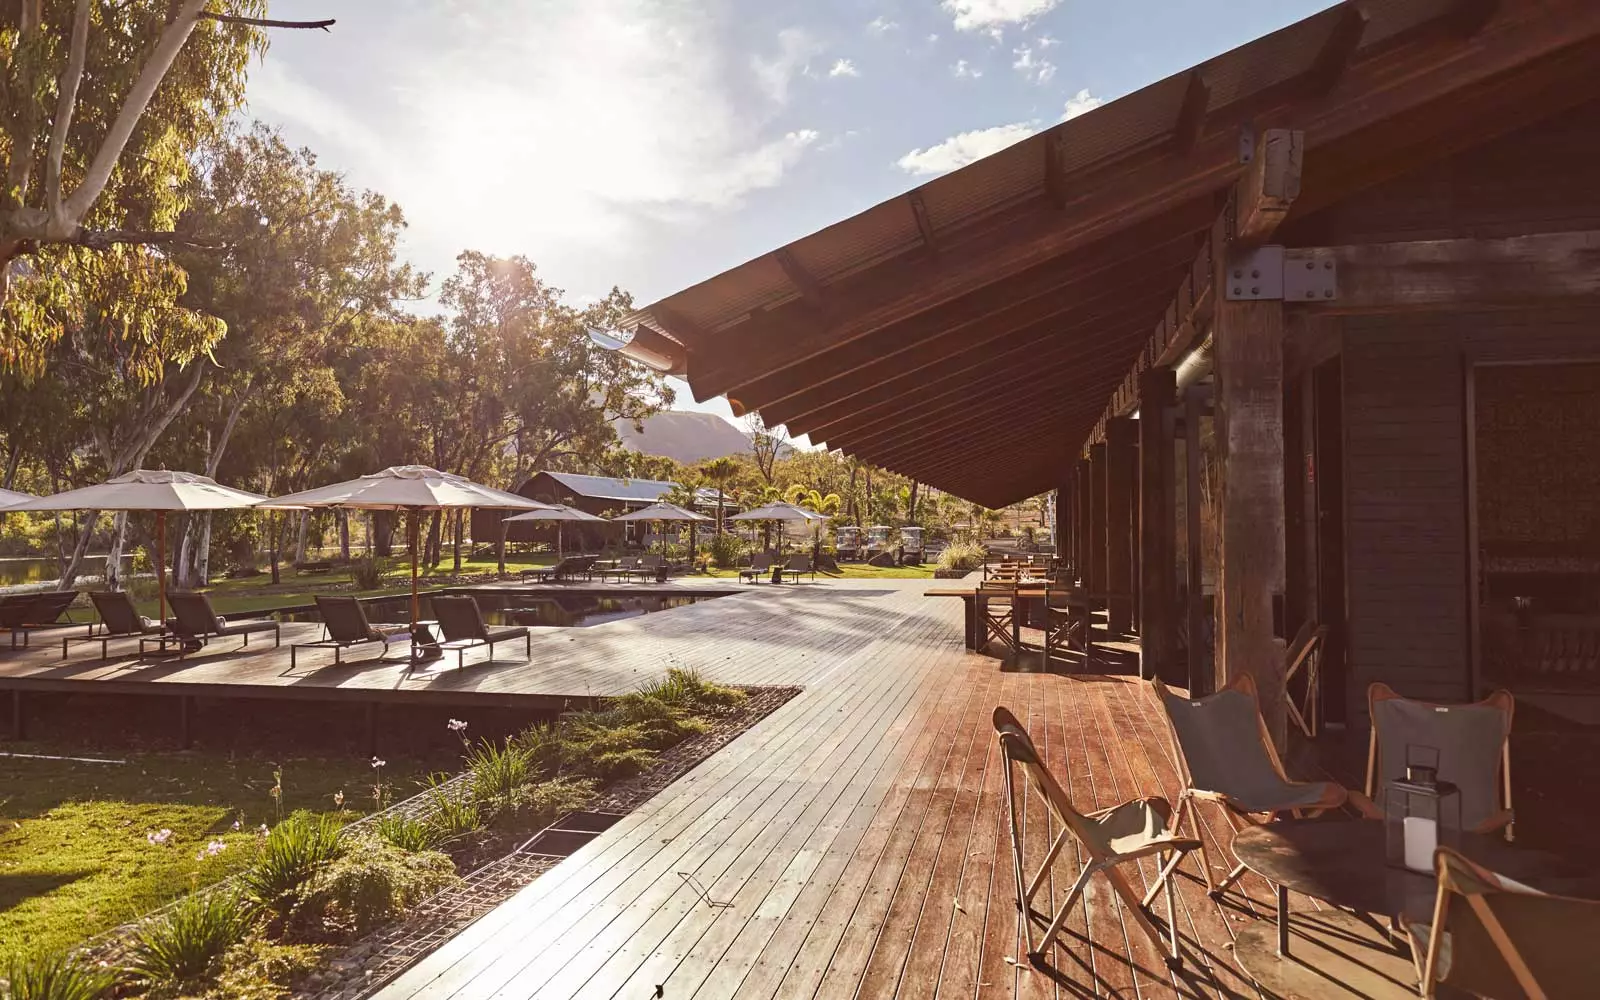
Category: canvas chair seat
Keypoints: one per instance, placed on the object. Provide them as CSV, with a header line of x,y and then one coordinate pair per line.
x,y
463,626
119,619
1493,937
344,622
195,623
1109,837
1473,741
1227,757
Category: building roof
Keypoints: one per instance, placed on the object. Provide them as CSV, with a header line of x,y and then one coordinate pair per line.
x,y
640,491
969,332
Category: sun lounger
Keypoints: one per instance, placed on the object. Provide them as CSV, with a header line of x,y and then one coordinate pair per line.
x,y
760,566
194,624
624,566
464,628
119,619
799,564
650,567
23,614
345,624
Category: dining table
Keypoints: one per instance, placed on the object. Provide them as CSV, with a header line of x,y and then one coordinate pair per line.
x,y
1356,949
1038,589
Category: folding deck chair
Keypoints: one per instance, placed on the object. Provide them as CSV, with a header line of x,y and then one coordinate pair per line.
x,y
464,628
1492,937
1305,657
119,619
1474,745
344,624
194,624
1226,756
1111,837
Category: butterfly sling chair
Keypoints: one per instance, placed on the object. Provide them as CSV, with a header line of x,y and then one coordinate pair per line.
x,y
1225,755
1110,838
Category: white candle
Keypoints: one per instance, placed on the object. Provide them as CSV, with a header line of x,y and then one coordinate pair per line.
x,y
1421,837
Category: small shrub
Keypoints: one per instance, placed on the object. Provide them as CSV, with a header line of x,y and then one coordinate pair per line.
x,y
185,944
257,969
452,813
966,556
602,745
498,770
726,550
542,803
370,885
406,833
55,977
542,743
366,573
295,850
700,693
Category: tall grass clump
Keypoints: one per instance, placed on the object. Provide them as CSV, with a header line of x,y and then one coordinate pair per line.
x,y
451,813
406,833
498,771
54,976
966,556
366,573
187,943
294,850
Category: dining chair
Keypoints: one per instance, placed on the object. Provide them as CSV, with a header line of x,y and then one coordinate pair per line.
x,y
1305,660
1473,742
1492,937
997,601
1110,838
1226,756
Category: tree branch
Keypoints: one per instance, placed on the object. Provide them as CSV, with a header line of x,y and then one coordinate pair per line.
x,y
144,88
66,104
102,239
261,22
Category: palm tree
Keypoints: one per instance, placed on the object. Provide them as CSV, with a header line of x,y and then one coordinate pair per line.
x,y
722,473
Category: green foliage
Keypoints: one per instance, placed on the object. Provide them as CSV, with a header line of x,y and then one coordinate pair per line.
x,y
186,943
258,969
406,833
727,550
368,886
54,976
961,556
498,770
294,851
366,573
451,815
541,803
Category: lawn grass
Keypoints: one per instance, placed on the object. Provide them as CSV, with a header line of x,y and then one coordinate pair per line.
x,y
75,858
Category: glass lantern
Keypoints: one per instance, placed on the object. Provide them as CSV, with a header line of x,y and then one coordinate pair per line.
x,y
1420,813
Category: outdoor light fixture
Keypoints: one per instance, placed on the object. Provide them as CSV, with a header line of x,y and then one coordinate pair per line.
x,y
1420,813
645,346
611,340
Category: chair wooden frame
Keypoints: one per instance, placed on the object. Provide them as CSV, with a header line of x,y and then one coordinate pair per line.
x,y
1064,626
1018,749
1305,653
1233,812
997,623
1501,700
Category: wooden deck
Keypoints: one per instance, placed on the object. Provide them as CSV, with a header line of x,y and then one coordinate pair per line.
x,y
851,844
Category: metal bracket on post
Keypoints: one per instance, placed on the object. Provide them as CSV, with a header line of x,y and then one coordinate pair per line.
x,y
1272,272
1255,274
1247,143
1310,276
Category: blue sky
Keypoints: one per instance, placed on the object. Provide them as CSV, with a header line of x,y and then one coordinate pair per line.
x,y
652,143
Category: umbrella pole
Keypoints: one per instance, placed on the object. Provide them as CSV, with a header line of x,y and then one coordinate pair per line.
x,y
161,566
412,542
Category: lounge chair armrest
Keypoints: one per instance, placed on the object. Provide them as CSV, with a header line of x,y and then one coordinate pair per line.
x,y
1364,807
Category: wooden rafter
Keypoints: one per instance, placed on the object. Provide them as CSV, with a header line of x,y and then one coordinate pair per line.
x,y
1269,186
803,281
1191,113
1337,52
919,212
1055,181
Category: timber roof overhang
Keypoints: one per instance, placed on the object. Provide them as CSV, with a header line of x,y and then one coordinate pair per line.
x,y
969,332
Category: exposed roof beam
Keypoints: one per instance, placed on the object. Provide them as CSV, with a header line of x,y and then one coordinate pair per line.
x,y
1191,113
678,326
1336,53
803,282
919,211
1055,183
1269,187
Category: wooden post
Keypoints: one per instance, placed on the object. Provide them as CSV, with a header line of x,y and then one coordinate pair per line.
x,y
1096,580
1247,340
1194,408
1121,473
1063,525
1082,483
1157,523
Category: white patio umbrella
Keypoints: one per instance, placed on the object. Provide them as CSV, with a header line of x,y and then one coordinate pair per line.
x,y
781,512
11,497
559,513
663,512
149,489
411,488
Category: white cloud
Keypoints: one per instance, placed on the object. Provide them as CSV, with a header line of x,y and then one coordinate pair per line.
x,y
843,67
1081,103
964,70
775,72
554,130
963,148
881,25
1033,67
1045,41
972,15
933,38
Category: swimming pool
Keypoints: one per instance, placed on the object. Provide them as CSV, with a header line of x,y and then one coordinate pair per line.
x,y
567,609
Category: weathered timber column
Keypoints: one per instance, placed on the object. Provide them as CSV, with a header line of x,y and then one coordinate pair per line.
x,y
1063,525
1248,351
1095,579
1194,408
1157,524
1121,477
1082,484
